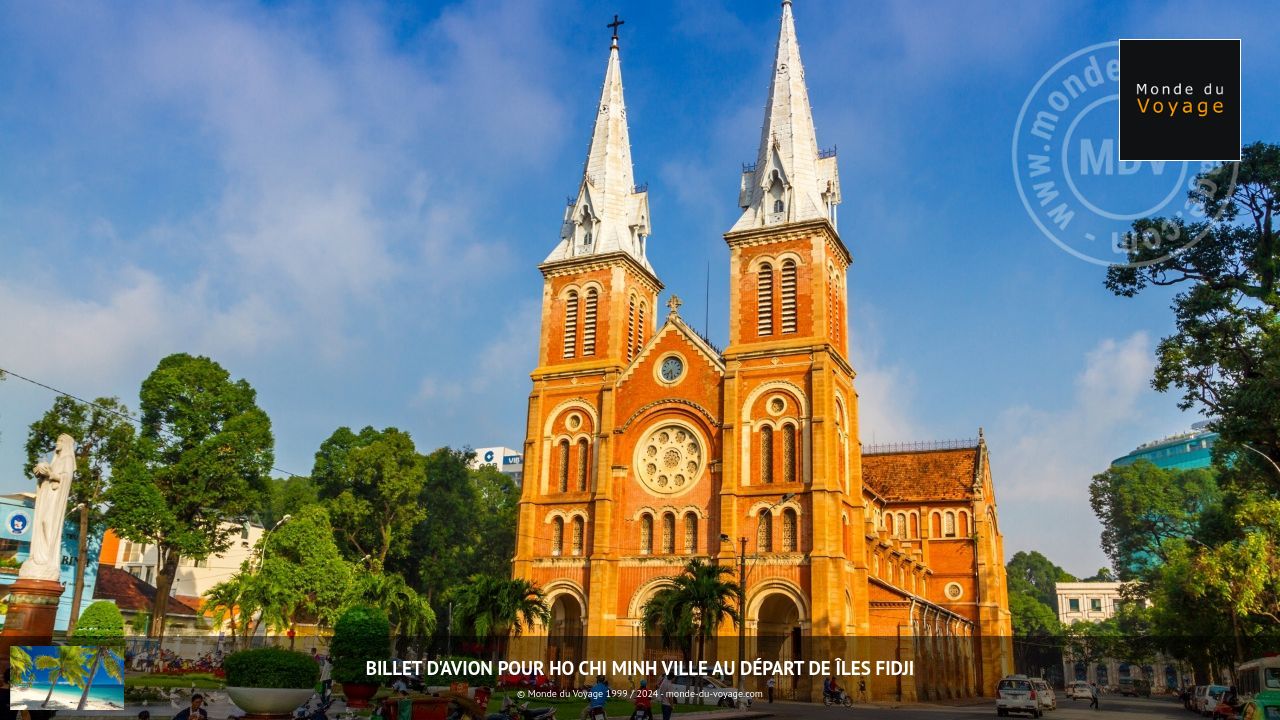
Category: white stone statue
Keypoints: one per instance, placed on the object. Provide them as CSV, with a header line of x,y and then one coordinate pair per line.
x,y
53,487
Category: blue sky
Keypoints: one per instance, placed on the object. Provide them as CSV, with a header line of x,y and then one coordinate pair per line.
x,y
345,204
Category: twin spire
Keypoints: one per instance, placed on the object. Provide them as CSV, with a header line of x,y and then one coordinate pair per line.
x,y
610,214
791,181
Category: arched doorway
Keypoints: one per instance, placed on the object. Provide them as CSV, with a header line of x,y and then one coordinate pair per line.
x,y
565,639
779,637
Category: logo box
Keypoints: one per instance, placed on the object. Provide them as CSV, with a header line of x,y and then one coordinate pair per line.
x,y
1180,100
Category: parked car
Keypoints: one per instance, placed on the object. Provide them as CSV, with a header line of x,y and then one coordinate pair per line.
x,y
1045,694
1016,694
1207,698
1079,690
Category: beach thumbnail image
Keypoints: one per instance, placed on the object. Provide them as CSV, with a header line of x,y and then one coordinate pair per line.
x,y
65,677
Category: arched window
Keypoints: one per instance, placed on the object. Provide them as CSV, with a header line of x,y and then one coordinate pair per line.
x,y
766,454
844,534
788,453
582,465
788,296
778,206
789,543
764,300
557,536
577,535
640,326
875,564
764,532
949,524
589,323
668,533
902,525
964,524
935,525
563,468
631,327
646,534
915,525
571,324
888,523
690,534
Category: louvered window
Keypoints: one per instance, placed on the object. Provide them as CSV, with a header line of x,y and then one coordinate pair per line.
x,y
788,530
789,296
690,534
557,536
764,300
571,324
668,533
582,465
589,323
646,534
577,535
788,454
631,328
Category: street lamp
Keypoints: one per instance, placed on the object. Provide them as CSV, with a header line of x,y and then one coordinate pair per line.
x,y
262,554
742,592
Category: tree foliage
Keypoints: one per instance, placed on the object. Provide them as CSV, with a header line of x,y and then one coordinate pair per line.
x,y
1142,507
495,608
201,466
1034,574
698,601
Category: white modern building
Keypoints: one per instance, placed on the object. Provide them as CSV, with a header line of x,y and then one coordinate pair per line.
x,y
507,461
1092,601
194,577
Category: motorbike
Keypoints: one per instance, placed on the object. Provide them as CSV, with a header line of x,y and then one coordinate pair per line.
x,y
643,713
839,697
521,711
316,708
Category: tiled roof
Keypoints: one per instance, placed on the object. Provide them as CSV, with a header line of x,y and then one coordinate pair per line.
x,y
131,594
921,475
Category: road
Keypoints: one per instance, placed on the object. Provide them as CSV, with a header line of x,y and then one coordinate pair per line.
x,y
1162,708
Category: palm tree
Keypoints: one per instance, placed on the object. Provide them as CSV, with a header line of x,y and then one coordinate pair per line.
x,y
20,664
68,664
695,604
409,612
496,608
234,601
110,660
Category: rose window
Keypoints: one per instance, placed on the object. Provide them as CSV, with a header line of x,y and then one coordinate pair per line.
x,y
670,459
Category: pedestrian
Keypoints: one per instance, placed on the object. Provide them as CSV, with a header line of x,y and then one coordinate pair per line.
x,y
665,692
770,685
862,690
195,711
1093,696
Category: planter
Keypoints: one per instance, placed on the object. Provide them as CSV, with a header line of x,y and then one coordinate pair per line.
x,y
358,694
269,701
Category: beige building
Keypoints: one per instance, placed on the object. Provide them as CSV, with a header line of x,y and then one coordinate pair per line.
x,y
1095,602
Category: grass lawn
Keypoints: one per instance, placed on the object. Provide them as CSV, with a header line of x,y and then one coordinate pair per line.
x,y
205,681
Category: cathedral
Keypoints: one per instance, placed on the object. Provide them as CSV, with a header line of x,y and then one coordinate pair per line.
x,y
647,446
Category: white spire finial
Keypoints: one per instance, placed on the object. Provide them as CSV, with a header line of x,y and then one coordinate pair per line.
x,y
792,180
610,214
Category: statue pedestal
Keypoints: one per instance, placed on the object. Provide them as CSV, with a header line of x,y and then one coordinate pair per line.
x,y
33,607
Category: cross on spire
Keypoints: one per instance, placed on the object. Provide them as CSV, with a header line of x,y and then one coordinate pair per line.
x,y
674,304
614,26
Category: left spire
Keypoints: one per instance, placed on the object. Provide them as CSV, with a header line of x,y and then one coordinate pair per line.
x,y
610,214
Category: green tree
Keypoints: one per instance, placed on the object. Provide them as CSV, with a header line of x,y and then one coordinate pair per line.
x,y
202,464
1104,574
447,545
102,627
371,482
1142,507
68,664
1034,574
496,608
286,496
497,499
104,439
1032,618
409,612
700,598
300,571
234,602
1225,354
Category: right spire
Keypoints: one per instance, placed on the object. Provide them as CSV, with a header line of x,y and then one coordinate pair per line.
x,y
792,180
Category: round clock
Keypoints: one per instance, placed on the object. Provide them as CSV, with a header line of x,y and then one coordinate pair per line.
x,y
672,368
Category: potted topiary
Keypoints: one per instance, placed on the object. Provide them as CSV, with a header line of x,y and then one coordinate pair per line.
x,y
270,681
361,634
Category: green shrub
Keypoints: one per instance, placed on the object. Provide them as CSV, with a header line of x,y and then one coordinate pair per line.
x,y
271,668
361,634
100,624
